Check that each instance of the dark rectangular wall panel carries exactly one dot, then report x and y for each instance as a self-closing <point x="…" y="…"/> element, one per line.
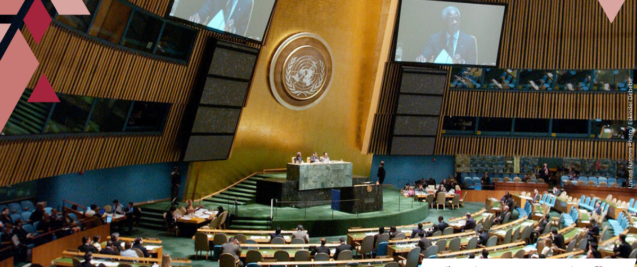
<point x="223" y="92"/>
<point x="214" y="147"/>
<point x="412" y="146"/>
<point x="233" y="63"/>
<point x="217" y="101"/>
<point x="216" y="120"/>
<point x="423" y="83"/>
<point x="419" y="105"/>
<point x="416" y="126"/>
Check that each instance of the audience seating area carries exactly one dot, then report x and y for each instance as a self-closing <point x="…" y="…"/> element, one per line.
<point x="595" y="181"/>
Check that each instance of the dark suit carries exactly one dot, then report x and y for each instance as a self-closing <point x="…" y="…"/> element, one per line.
<point x="108" y="251"/>
<point x="381" y="175"/>
<point x="415" y="232"/>
<point x="232" y="249"/>
<point x="442" y="226"/>
<point x="341" y="248"/>
<point x="500" y="218"/>
<point x="624" y="250"/>
<point x="240" y="15"/>
<point x="273" y="236"/>
<point x="321" y="249"/>
<point x="466" y="47"/>
<point x="86" y="248"/>
<point x="483" y="238"/>
<point x="558" y="240"/>
<point x="143" y="249"/>
<point x="118" y="244"/>
<point x="133" y="216"/>
<point x="426" y="243"/>
<point x="5" y="219"/>
<point x="470" y="225"/>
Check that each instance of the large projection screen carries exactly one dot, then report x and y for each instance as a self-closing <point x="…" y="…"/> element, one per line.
<point x="246" y="18"/>
<point x="446" y="32"/>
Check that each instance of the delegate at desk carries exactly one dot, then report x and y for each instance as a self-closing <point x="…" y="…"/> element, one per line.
<point x="313" y="159"/>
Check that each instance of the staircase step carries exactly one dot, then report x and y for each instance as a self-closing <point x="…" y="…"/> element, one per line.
<point x="230" y="199"/>
<point x="246" y="186"/>
<point x="249" y="182"/>
<point x="236" y="195"/>
<point x="220" y="202"/>
<point x="151" y="226"/>
<point x="242" y="190"/>
<point x="152" y="220"/>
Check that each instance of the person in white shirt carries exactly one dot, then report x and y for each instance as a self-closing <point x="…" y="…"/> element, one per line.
<point x="96" y="243"/>
<point x="118" y="208"/>
<point x="128" y="252"/>
<point x="325" y="158"/>
<point x="91" y="213"/>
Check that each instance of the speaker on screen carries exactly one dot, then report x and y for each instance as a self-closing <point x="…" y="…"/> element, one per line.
<point x="412" y="146"/>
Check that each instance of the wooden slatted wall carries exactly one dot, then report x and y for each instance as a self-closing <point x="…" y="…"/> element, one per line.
<point x="545" y="34"/>
<point x="78" y="65"/>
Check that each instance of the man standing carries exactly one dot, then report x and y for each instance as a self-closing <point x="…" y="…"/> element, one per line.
<point x="381" y="173"/>
<point x="544" y="172"/>
<point x="175" y="181"/>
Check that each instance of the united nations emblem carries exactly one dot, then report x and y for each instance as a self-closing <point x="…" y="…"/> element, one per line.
<point x="301" y="71"/>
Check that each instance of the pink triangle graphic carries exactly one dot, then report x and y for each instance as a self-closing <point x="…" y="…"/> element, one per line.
<point x="611" y="8"/>
<point x="43" y="92"/>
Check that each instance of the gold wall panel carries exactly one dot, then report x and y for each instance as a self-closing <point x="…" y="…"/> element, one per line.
<point x="269" y="134"/>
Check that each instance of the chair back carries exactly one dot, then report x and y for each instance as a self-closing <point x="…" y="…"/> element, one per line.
<point x="381" y="250"/>
<point x="302" y="255"/>
<point x="506" y="179"/>
<point x="456" y="200"/>
<point x="433" y="250"/>
<point x="430" y="199"/>
<point x="437" y="233"/>
<point x="591" y="183"/>
<point x="516" y="234"/>
<point x="440" y="198"/>
<point x="519" y="254"/>
<point x="108" y="208"/>
<point x="253" y="256"/>
<point x="517" y="180"/>
<point x="581" y="183"/>
<point x="241" y="237"/>
<point x="321" y="257"/>
<point x="297" y="241"/>
<point x="381" y="238"/>
<point x="506" y="255"/>
<point x="281" y="255"/>
<point x="447" y="231"/>
<point x="139" y="252"/>
<point x="454" y="244"/>
<point x="227" y="260"/>
<point x="507" y="237"/>
<point x="412" y="257"/>
<point x="492" y="241"/>
<point x="506" y="218"/>
<point x="345" y="255"/>
<point x="391" y="264"/>
<point x="540" y="245"/>
<point x="219" y="239"/>
<point x="570" y="247"/>
<point x="367" y="245"/>
<point x="442" y="244"/>
<point x="215" y="223"/>
<point x="582" y="244"/>
<point x="223" y="217"/>
<point x="76" y="263"/>
<point x="201" y="242"/>
<point x="278" y="240"/>
<point x="473" y="242"/>
<point x="633" y="254"/>
<point x="634" y="245"/>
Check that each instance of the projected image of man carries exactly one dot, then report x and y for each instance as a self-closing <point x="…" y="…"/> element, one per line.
<point x="450" y="46"/>
<point x="231" y="16"/>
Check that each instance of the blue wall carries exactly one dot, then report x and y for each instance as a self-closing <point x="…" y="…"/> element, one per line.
<point x="401" y="169"/>
<point x="137" y="183"/>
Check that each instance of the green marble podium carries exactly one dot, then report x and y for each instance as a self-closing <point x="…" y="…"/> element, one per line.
<point x="320" y="175"/>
